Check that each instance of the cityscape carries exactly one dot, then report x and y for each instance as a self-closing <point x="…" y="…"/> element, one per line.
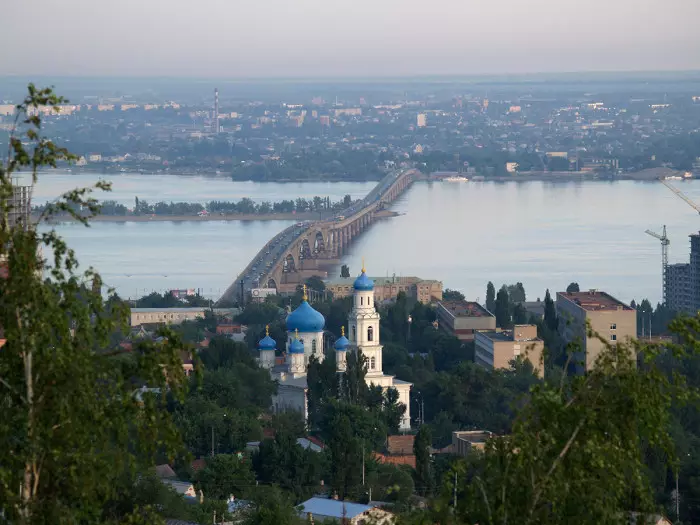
<point x="257" y="269"/>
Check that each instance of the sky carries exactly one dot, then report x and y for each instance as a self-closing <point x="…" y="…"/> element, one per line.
<point x="332" y="38"/>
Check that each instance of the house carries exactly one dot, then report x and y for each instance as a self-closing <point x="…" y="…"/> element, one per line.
<point x="399" y="451"/>
<point x="165" y="472"/>
<point x="183" y="488"/>
<point x="332" y="510"/>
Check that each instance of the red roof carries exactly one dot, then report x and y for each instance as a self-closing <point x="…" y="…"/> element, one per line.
<point x="400" y="444"/>
<point x="198" y="464"/>
<point x="405" y="459"/>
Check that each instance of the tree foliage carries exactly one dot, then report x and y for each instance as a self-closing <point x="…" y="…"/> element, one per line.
<point x="75" y="433"/>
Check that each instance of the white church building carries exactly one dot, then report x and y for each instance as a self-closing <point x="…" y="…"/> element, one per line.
<point x="305" y="328"/>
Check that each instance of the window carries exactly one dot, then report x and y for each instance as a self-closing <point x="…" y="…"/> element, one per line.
<point x="373" y="363"/>
<point x="613" y="326"/>
<point x="613" y="337"/>
<point x="370" y="334"/>
<point x="361" y="299"/>
<point x="313" y="346"/>
<point x="354" y="333"/>
<point x="369" y="301"/>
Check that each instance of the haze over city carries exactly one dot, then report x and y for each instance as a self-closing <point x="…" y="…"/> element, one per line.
<point x="320" y="38"/>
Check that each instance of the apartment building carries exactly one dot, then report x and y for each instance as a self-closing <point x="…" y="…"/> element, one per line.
<point x="387" y="288"/>
<point x="496" y="349"/>
<point x="464" y="318"/>
<point x="613" y="320"/>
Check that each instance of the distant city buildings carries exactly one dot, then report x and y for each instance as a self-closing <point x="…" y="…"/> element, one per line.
<point x="611" y="319"/>
<point x="495" y="349"/>
<point x="421" y="120"/>
<point x="463" y="319"/>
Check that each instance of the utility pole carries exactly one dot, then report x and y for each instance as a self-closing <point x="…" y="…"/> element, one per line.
<point x="363" y="464"/>
<point x="678" y="502"/>
<point x="212" y="441"/>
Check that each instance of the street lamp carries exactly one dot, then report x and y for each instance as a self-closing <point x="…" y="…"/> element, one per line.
<point x="410" y="320"/>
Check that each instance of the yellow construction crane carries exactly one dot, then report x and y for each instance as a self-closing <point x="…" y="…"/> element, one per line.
<point x="680" y="194"/>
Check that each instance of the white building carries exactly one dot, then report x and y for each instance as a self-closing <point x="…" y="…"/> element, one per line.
<point x="421" y="120"/>
<point x="305" y="327"/>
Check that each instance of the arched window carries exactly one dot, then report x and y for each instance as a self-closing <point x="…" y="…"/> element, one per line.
<point x="354" y="333"/>
<point x="361" y="299"/>
<point x="313" y="346"/>
<point x="373" y="363"/>
<point x="370" y="334"/>
<point x="369" y="301"/>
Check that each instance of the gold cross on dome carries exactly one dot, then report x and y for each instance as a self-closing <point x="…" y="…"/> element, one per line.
<point x="296" y="333"/>
<point x="267" y="329"/>
<point x="342" y="331"/>
<point x="363" y="265"/>
<point x="304" y="297"/>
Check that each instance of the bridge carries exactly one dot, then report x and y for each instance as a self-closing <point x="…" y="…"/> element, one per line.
<point x="314" y="247"/>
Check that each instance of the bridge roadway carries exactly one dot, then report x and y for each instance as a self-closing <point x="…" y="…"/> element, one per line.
<point x="314" y="247"/>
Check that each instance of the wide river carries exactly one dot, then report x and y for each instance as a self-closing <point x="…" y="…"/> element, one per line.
<point x="465" y="234"/>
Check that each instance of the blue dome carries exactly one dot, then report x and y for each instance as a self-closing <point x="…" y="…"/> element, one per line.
<point x="305" y="319"/>
<point x="297" y="347"/>
<point x="342" y="343"/>
<point x="363" y="283"/>
<point x="267" y="343"/>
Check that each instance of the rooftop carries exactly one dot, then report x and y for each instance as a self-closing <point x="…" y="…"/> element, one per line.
<point x="465" y="309"/>
<point x="333" y="508"/>
<point x="473" y="436"/>
<point x="594" y="301"/>
<point x="183" y="310"/>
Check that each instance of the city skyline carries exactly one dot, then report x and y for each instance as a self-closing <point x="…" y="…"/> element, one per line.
<point x="314" y="38"/>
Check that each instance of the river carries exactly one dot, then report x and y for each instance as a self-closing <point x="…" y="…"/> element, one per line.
<point x="465" y="234"/>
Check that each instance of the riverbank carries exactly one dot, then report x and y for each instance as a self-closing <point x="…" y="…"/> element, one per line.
<point x="196" y="218"/>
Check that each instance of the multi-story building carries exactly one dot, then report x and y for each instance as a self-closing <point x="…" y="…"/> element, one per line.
<point x="421" y="120"/>
<point x="463" y="318"/>
<point x="387" y="288"/>
<point x="496" y="349"/>
<point x="463" y="441"/>
<point x="683" y="281"/>
<point x="611" y="319"/>
<point x="679" y="296"/>
<point x="141" y="316"/>
<point x="20" y="205"/>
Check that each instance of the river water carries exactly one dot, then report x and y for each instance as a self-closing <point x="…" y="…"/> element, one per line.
<point x="465" y="234"/>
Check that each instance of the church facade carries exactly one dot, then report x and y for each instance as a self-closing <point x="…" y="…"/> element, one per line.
<point x="305" y="327"/>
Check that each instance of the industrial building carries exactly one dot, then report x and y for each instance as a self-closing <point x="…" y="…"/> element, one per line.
<point x="682" y="282"/>
<point x="611" y="319"/>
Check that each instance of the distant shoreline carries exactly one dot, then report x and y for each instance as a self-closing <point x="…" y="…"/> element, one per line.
<point x="196" y="218"/>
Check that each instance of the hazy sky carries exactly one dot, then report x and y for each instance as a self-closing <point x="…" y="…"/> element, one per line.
<point x="244" y="38"/>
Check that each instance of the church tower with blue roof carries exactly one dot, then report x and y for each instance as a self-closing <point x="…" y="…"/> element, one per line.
<point x="267" y="347"/>
<point x="364" y="323"/>
<point x="308" y="324"/>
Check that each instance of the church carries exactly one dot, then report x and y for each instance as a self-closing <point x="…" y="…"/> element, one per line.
<point x="305" y="328"/>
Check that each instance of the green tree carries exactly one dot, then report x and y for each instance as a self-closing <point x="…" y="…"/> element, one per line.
<point x="490" y="297"/>
<point x="502" y="312"/>
<point x="452" y="295"/>
<point x="273" y="507"/>
<point x="578" y="448"/>
<point x="392" y="410"/>
<point x="345" y="271"/>
<point x="75" y="432"/>
<point x="550" y="313"/>
<point x="225" y="474"/>
<point x="352" y="382"/>
<point x="516" y="293"/>
<point x="421" y="449"/>
<point x="315" y="283"/>
<point x="573" y="287"/>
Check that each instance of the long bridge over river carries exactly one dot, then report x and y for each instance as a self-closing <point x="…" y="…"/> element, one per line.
<point x="314" y="247"/>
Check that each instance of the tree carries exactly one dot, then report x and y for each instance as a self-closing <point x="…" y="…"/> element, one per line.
<point x="392" y="410"/>
<point x="578" y="448"/>
<point x="490" y="297"/>
<point x="502" y="312"/>
<point x="69" y="401"/>
<point x="345" y="271"/>
<point x="516" y="293"/>
<point x="225" y="474"/>
<point x="316" y="283"/>
<point x="452" y="295"/>
<point x="572" y="288"/>
<point x="550" y="313"/>
<point x="421" y="449"/>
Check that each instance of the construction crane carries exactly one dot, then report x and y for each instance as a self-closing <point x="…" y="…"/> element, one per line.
<point x="664" y="257"/>
<point x="680" y="194"/>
